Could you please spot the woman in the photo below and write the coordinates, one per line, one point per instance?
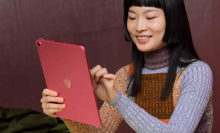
(166, 88)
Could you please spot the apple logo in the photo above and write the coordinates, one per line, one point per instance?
(67, 83)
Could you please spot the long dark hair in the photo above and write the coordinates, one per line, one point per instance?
(177, 36)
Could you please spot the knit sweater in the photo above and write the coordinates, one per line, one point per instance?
(188, 108)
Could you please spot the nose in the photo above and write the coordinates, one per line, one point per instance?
(141, 26)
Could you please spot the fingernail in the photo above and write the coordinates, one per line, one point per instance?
(61, 99)
(55, 93)
(105, 75)
(63, 105)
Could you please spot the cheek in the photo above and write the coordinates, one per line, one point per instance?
(159, 28)
(129, 27)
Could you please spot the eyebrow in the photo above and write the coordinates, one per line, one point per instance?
(147, 11)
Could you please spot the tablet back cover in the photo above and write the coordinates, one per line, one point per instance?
(66, 71)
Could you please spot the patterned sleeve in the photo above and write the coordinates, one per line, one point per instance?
(196, 91)
(110, 118)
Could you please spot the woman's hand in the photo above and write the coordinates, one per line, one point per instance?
(104, 89)
(103, 83)
(51, 103)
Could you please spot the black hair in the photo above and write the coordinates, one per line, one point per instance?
(177, 36)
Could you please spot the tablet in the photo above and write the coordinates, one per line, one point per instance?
(66, 71)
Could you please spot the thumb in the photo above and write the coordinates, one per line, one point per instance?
(109, 76)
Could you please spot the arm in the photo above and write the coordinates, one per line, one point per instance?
(196, 90)
(110, 118)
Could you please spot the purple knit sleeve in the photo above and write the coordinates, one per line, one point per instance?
(196, 89)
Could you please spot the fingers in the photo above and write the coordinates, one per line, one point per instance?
(53, 106)
(95, 70)
(110, 76)
(51, 112)
(47, 92)
(51, 103)
(48, 99)
(100, 73)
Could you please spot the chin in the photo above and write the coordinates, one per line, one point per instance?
(144, 48)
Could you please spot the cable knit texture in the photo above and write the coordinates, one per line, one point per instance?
(193, 111)
(157, 59)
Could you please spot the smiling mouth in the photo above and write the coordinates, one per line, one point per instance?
(143, 37)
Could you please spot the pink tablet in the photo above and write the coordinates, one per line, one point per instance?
(66, 71)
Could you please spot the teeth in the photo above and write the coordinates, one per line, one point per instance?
(143, 38)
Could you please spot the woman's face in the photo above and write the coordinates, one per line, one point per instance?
(146, 26)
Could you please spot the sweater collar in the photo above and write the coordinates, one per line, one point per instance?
(157, 59)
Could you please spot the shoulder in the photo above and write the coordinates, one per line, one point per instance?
(197, 75)
(199, 67)
(123, 70)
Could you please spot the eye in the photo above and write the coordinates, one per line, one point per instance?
(151, 18)
(131, 18)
